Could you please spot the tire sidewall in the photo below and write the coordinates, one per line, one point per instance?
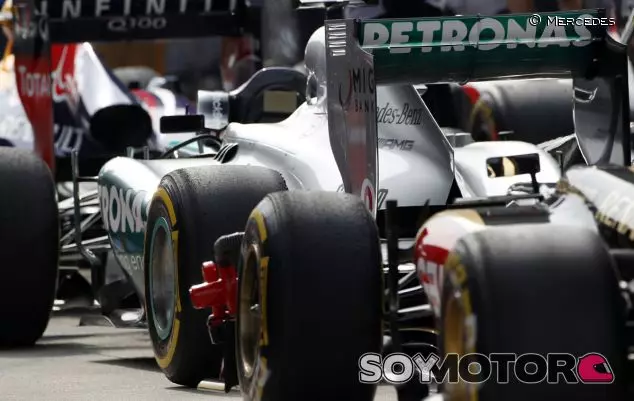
(181, 356)
(261, 382)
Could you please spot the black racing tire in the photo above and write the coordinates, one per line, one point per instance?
(29, 247)
(534, 110)
(311, 261)
(193, 207)
(534, 289)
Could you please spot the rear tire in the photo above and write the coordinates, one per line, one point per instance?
(534, 110)
(29, 247)
(190, 210)
(534, 289)
(310, 298)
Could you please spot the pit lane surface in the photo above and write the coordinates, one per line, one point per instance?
(73, 363)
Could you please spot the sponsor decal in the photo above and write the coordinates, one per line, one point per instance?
(34, 89)
(399, 116)
(456, 35)
(380, 198)
(368, 194)
(214, 105)
(68, 9)
(130, 262)
(358, 93)
(64, 83)
(216, 115)
(131, 23)
(33, 84)
(391, 144)
(67, 138)
(474, 369)
(122, 210)
(27, 27)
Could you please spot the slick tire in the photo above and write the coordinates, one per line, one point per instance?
(190, 210)
(533, 110)
(309, 298)
(534, 289)
(29, 247)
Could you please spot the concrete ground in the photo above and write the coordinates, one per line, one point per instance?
(73, 363)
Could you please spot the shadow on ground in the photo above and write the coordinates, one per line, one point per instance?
(53, 350)
(232, 394)
(139, 363)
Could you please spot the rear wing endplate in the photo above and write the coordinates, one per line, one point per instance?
(363, 54)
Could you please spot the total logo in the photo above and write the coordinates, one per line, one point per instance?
(33, 84)
(123, 211)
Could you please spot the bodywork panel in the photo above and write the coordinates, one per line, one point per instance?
(363, 54)
(126, 188)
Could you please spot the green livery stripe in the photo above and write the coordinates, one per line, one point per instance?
(456, 48)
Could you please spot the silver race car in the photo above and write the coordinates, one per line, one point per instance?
(301, 285)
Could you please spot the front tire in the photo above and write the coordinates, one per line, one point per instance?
(29, 247)
(310, 298)
(190, 210)
(535, 289)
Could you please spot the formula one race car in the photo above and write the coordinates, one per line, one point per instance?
(531, 273)
(163, 215)
(86, 88)
(86, 92)
(141, 232)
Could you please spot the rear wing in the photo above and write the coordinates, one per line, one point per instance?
(363, 54)
(73, 21)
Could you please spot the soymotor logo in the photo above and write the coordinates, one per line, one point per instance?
(398, 368)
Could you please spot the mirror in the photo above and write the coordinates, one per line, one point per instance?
(509, 166)
(118, 126)
(183, 123)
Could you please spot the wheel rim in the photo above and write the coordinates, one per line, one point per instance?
(250, 314)
(162, 271)
(454, 342)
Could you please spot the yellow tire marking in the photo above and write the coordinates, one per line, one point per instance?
(486, 112)
(264, 276)
(175, 248)
(165, 361)
(162, 193)
(263, 375)
(256, 215)
(454, 265)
